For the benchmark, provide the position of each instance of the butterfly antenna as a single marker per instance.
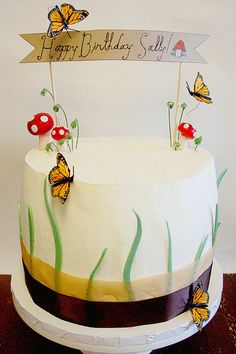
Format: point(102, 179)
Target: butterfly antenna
point(193, 108)
point(188, 88)
point(68, 33)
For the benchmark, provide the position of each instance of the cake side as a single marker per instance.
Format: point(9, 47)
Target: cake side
point(152, 191)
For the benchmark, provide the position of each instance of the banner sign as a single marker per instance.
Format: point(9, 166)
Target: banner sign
point(115, 45)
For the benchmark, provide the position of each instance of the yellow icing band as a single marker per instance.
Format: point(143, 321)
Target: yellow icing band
point(115, 291)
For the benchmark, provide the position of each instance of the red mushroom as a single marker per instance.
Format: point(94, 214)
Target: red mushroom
point(59, 132)
point(179, 48)
point(41, 125)
point(187, 132)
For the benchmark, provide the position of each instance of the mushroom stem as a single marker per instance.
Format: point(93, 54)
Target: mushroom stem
point(183, 142)
point(44, 139)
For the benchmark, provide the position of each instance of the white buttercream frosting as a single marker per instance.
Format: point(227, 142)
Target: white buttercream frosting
point(112, 178)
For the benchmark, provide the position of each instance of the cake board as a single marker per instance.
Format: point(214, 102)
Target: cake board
point(139, 339)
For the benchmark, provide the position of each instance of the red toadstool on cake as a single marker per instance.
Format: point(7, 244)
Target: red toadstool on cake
point(41, 125)
point(187, 132)
point(59, 133)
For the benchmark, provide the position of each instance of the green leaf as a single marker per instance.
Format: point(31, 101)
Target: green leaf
point(69, 136)
point(31, 230)
point(43, 92)
point(201, 248)
point(221, 176)
point(91, 277)
point(56, 108)
point(48, 147)
point(198, 140)
point(55, 229)
point(216, 226)
point(74, 124)
point(169, 248)
point(61, 142)
point(131, 256)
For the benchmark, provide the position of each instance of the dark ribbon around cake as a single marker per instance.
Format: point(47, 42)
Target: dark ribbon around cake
point(113, 314)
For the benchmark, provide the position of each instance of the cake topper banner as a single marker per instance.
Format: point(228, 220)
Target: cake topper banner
point(115, 45)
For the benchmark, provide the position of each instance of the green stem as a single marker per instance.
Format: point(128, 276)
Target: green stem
point(180, 120)
point(88, 292)
point(49, 93)
point(169, 124)
point(66, 119)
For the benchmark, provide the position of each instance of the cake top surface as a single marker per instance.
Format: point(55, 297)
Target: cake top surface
point(124, 160)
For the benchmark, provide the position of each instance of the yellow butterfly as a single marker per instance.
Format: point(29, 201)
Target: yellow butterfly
point(61, 19)
point(198, 305)
point(201, 92)
point(60, 179)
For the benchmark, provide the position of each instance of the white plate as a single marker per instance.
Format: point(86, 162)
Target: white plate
point(137, 339)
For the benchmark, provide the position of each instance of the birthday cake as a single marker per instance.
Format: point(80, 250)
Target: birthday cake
point(117, 231)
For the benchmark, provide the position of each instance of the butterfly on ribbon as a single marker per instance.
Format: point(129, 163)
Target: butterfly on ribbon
point(60, 179)
point(200, 92)
point(198, 305)
point(61, 19)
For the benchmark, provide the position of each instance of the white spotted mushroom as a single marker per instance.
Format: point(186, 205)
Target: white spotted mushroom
point(41, 125)
point(58, 133)
point(187, 133)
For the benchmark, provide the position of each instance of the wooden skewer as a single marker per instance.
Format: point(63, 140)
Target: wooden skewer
point(177, 104)
point(53, 91)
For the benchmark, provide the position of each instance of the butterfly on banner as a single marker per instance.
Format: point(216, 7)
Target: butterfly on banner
point(200, 92)
point(60, 179)
point(198, 305)
point(61, 19)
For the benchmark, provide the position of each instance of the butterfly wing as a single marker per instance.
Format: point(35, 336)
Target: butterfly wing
point(200, 314)
point(56, 22)
point(59, 178)
point(71, 15)
point(61, 191)
point(201, 91)
point(200, 297)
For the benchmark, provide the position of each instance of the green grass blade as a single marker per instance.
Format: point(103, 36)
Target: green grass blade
point(216, 226)
point(31, 231)
point(55, 230)
point(220, 177)
point(19, 220)
point(169, 248)
point(131, 256)
point(201, 248)
point(91, 277)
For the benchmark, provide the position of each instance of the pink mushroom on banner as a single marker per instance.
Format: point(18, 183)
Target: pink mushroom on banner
point(179, 49)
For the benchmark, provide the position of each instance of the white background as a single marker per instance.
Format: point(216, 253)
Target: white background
point(119, 98)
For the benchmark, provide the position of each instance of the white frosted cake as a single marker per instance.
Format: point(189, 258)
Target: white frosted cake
point(134, 235)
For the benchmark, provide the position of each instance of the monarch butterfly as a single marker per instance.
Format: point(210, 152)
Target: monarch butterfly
point(198, 305)
point(60, 179)
point(201, 92)
point(61, 19)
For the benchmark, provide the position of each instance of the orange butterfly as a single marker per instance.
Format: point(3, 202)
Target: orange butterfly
point(60, 179)
point(61, 19)
point(198, 305)
point(200, 92)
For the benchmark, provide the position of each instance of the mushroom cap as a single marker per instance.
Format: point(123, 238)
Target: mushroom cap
point(40, 124)
point(59, 132)
point(187, 130)
point(180, 45)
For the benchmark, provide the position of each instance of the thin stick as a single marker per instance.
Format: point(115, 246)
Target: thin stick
point(53, 91)
point(177, 104)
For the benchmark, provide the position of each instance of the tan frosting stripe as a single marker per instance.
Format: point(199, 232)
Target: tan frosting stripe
point(156, 286)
